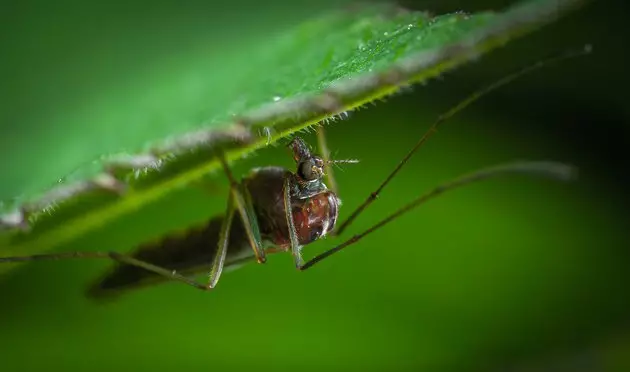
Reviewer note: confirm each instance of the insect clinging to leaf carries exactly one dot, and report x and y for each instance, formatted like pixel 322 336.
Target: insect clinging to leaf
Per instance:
pixel 275 209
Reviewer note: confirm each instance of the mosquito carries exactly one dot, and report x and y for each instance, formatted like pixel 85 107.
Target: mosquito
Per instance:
pixel 280 210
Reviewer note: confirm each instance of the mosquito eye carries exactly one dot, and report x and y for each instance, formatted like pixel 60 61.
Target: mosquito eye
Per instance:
pixel 303 170
pixel 307 171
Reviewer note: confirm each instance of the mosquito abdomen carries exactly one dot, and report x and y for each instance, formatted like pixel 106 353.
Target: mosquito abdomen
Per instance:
pixel 188 252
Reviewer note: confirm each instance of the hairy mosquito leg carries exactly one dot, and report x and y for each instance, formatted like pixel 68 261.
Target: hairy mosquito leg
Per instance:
pixel 293 238
pixel 224 239
pixel 322 146
pixel 243 203
pixel 121 258
pixel 450 113
pixel 552 170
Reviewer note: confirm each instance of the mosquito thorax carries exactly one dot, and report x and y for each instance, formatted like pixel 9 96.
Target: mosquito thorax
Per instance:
pixel 315 216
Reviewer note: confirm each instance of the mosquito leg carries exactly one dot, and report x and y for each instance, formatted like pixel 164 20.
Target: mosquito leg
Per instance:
pixel 253 224
pixel 243 203
pixel 224 239
pixel 450 113
pixel 293 238
pixel 215 272
pixel 121 258
pixel 552 170
pixel 235 197
pixel 325 154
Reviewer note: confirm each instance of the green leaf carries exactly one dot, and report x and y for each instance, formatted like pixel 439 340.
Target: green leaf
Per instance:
pixel 184 115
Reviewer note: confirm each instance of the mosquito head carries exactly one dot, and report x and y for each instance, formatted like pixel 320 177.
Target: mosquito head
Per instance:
pixel 311 167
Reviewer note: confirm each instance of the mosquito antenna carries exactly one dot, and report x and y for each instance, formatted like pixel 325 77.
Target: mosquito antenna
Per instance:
pixel 343 161
pixel 328 161
pixel 552 170
pixel 348 161
pixel 325 153
pixel 454 110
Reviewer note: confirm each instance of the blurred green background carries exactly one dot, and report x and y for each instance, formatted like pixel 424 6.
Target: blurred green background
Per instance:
pixel 514 274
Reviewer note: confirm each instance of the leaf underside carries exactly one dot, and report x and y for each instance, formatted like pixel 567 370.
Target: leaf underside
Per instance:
pixel 310 74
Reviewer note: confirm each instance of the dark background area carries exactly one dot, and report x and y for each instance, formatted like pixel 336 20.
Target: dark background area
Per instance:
pixel 507 277
pixel 582 105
